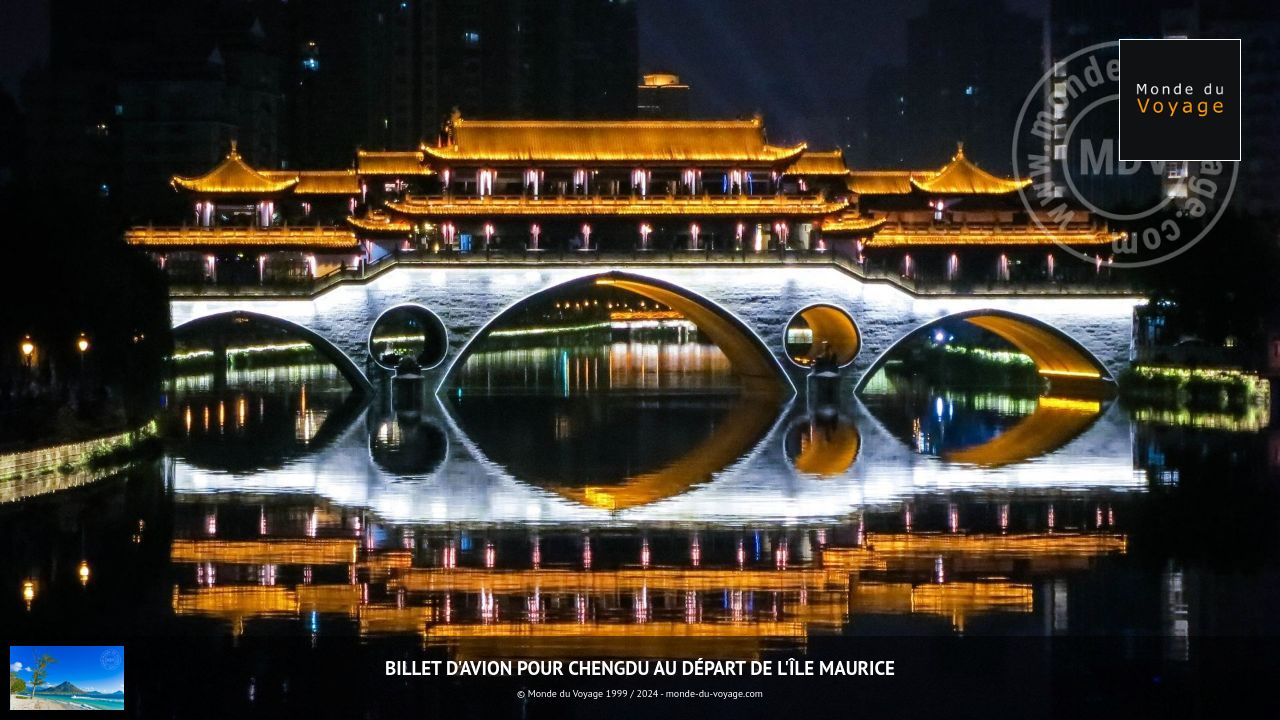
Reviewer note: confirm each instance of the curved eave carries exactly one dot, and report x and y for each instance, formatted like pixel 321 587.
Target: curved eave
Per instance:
pixel 855 226
pixel 621 207
pixel 998 187
pixel 206 187
pixel 379 225
pixel 769 155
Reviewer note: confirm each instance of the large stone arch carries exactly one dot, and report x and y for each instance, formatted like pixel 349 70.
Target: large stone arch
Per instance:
pixel 352 372
pixel 752 359
pixel 1058 357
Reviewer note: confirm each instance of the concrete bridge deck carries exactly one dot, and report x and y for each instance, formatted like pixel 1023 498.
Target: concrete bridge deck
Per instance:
pixel 1088 335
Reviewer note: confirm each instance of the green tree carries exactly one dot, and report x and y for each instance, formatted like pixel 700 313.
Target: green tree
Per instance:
pixel 16 684
pixel 40 673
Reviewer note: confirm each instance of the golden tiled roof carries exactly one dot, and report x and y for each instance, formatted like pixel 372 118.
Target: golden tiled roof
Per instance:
pixel 850 221
pixel 720 206
pixel 595 141
pixel 881 182
pixel 962 177
pixel 988 235
pixel 274 237
pixel 234 176
pixel 813 162
pixel 319 182
pixel 379 222
pixel 392 162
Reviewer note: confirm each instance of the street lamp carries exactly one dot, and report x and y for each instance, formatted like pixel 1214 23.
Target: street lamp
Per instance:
pixel 82 344
pixel 28 592
pixel 83 572
pixel 28 348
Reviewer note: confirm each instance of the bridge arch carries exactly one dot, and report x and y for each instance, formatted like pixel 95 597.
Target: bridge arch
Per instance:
pixel 752 361
pixel 1058 357
pixel 346 366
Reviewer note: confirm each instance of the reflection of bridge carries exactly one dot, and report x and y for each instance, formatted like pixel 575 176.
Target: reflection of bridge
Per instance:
pixel 753 479
pixel 743 308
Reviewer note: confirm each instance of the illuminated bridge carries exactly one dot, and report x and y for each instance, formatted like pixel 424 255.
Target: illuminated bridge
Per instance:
pixel 1076 341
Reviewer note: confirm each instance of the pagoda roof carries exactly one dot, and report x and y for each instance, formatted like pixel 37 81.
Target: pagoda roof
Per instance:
pixel 391 162
pixel 732 206
pixel 604 141
pixel 962 177
pixel 272 237
pixel 320 182
pixel 233 176
pixel 814 162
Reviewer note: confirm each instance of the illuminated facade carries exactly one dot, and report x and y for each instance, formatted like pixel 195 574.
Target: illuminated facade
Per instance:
pixel 651 189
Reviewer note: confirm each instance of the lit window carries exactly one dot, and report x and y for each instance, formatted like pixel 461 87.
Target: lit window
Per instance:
pixel 968 90
pixel 311 63
pixel 471 38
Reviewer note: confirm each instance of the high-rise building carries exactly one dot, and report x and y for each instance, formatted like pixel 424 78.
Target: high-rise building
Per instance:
pixel 968 70
pixel 387 74
pixel 302 84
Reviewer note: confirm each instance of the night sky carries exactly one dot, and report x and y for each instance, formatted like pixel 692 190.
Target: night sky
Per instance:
pixel 803 64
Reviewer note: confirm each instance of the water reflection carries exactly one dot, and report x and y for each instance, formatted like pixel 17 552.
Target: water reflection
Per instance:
pixel 984 428
pixel 489 592
pixel 577 365
pixel 615 452
pixel 257 425
pixel 630 500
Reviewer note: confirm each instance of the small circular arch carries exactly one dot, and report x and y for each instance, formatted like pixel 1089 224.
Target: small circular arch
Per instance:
pixel 400 327
pixel 818 328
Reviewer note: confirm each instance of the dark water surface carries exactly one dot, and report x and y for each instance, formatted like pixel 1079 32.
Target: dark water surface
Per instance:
pixel 625 500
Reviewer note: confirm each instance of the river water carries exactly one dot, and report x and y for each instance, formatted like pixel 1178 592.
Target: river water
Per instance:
pixel 621 497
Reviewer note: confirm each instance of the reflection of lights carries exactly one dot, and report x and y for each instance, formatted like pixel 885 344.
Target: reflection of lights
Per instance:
pixel 490 555
pixel 28 592
pixel 83 572
pixel 644 553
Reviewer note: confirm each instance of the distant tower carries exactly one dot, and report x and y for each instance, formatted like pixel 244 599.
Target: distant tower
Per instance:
pixel 662 95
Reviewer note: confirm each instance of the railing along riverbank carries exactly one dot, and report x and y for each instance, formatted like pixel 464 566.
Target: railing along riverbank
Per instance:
pixel 38 471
